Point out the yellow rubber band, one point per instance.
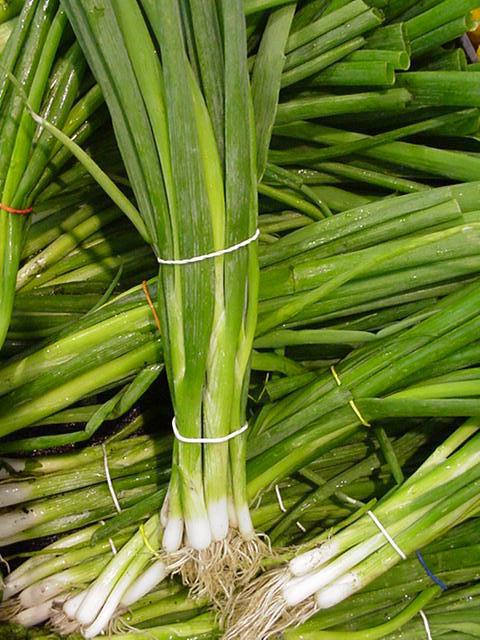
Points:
(146, 542)
(335, 375)
(355, 409)
(358, 414)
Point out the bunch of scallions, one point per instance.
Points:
(41, 61)
(441, 493)
(188, 148)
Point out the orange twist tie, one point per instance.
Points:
(19, 212)
(146, 291)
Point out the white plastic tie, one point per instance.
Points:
(279, 498)
(386, 535)
(284, 510)
(426, 624)
(403, 556)
(109, 480)
(5, 563)
(218, 440)
(350, 500)
(213, 254)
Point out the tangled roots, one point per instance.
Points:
(215, 573)
(259, 611)
(118, 625)
(9, 609)
(60, 623)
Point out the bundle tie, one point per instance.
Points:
(218, 440)
(109, 480)
(284, 510)
(110, 541)
(146, 542)
(386, 535)
(213, 254)
(426, 624)
(19, 212)
(351, 402)
(403, 556)
(279, 499)
(146, 291)
(430, 573)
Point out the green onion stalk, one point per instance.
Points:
(41, 62)
(168, 604)
(189, 152)
(440, 494)
(10, 9)
(6, 29)
(452, 559)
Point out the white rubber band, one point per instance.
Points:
(214, 254)
(4, 562)
(403, 556)
(426, 624)
(350, 500)
(109, 480)
(112, 546)
(279, 498)
(386, 535)
(220, 440)
(284, 510)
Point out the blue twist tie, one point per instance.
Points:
(430, 573)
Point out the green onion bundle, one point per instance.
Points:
(42, 64)
(441, 493)
(452, 560)
(195, 185)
